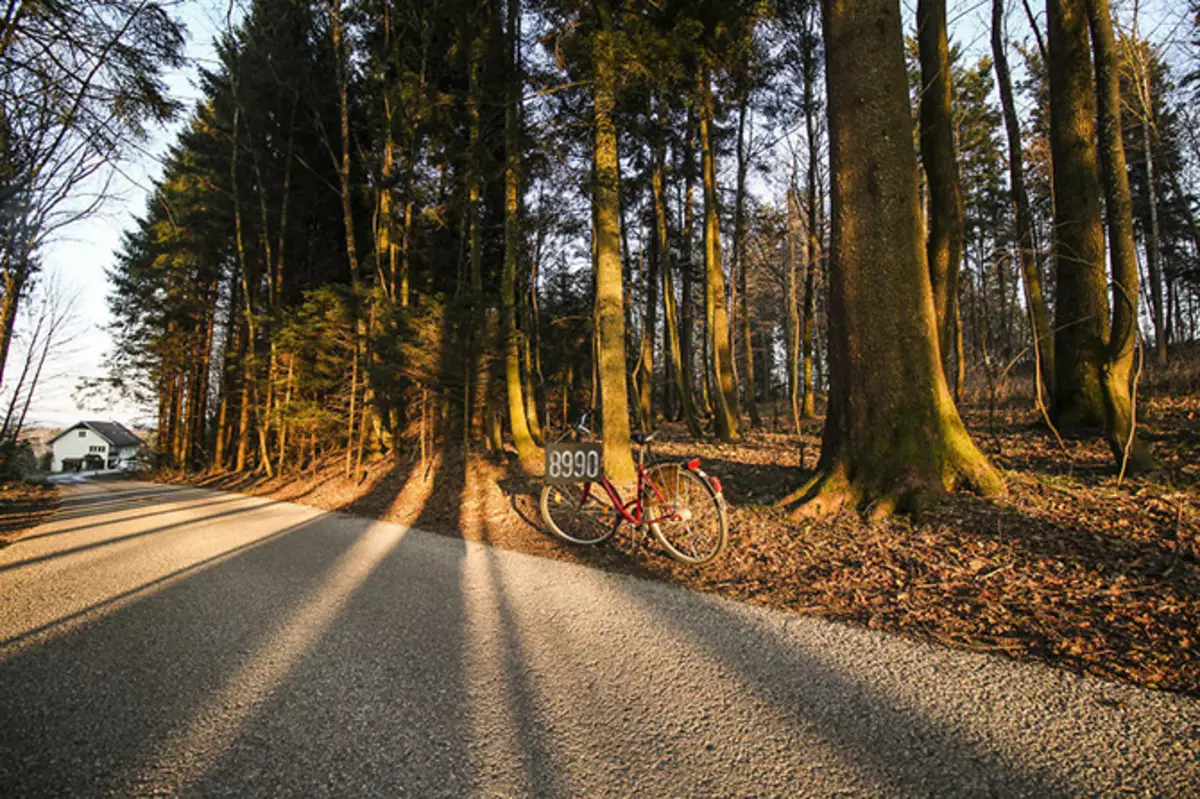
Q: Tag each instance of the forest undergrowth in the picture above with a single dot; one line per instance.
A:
(1072, 568)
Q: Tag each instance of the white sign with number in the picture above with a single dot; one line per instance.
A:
(574, 463)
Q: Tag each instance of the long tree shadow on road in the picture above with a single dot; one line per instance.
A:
(119, 508)
(110, 541)
(320, 635)
(871, 728)
(497, 631)
(376, 702)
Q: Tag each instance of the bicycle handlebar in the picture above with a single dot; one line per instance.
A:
(582, 428)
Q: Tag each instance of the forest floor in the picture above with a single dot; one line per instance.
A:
(1071, 568)
(24, 506)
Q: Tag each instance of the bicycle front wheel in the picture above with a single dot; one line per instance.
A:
(686, 515)
(578, 513)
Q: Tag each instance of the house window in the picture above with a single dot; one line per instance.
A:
(83, 434)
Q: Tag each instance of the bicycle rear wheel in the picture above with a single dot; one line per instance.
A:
(578, 513)
(688, 518)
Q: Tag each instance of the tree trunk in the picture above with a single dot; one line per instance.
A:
(1117, 371)
(35, 340)
(649, 333)
(15, 279)
(1039, 317)
(688, 268)
(812, 242)
(343, 165)
(1081, 307)
(283, 425)
(15, 432)
(795, 386)
(1153, 259)
(893, 437)
(718, 333)
(248, 302)
(531, 378)
(341, 69)
(960, 360)
(740, 262)
(385, 244)
(945, 242)
(477, 339)
(672, 344)
(351, 414)
(203, 362)
(518, 423)
(618, 461)
(536, 396)
(812, 262)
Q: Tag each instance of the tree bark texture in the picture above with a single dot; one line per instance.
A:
(1123, 343)
(1081, 307)
(720, 353)
(527, 451)
(945, 244)
(1039, 317)
(618, 462)
(893, 437)
(672, 344)
(740, 263)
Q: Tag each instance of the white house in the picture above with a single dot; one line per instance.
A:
(93, 445)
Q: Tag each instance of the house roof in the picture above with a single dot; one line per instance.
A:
(115, 433)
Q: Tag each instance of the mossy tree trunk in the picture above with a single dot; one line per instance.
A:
(719, 352)
(1117, 371)
(893, 438)
(1081, 304)
(518, 423)
(945, 243)
(618, 462)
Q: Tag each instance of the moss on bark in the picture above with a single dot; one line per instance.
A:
(893, 438)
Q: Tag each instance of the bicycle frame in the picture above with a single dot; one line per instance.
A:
(638, 515)
(634, 511)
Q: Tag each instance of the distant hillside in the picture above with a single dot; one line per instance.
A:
(39, 437)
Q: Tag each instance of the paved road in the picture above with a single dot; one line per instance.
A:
(159, 640)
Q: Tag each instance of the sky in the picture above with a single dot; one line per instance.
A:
(80, 256)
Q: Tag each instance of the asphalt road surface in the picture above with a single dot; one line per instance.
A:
(162, 641)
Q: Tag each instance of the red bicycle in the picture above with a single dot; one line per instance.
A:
(677, 501)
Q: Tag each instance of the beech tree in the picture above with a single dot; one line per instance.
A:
(1123, 340)
(1093, 357)
(945, 242)
(1081, 307)
(893, 438)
